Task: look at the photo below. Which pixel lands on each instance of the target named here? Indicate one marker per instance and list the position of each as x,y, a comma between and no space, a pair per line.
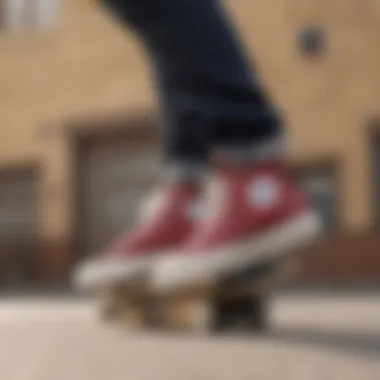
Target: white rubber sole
178,272
98,274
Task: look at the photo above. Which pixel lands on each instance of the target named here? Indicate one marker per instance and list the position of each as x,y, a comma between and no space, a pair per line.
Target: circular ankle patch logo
264,192
196,210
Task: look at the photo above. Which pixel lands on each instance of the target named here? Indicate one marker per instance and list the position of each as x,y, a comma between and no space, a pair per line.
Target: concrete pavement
313,337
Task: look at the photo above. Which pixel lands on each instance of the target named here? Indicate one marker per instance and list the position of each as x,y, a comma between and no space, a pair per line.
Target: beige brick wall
87,66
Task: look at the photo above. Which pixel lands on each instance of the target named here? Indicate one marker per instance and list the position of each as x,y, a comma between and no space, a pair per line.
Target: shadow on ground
362,343
357,343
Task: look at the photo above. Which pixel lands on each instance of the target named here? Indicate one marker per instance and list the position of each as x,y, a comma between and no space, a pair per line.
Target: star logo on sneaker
264,192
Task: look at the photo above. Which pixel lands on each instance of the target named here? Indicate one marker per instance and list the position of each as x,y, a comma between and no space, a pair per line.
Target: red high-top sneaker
167,218
258,214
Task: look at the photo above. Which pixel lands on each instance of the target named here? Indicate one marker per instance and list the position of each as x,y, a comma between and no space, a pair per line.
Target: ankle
190,174
265,151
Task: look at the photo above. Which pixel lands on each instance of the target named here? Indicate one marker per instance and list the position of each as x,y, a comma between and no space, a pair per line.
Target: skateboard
237,300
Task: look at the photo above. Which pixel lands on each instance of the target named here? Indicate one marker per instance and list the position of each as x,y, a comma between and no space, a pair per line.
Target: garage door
18,226
114,176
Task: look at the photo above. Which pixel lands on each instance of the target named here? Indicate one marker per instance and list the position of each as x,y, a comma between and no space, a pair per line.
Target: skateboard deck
237,300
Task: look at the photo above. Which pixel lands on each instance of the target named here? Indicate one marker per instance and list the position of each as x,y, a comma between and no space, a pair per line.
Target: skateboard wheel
247,312
117,306
188,313
108,309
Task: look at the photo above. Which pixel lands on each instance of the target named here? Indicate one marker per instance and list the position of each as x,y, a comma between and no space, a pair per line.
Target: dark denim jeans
209,94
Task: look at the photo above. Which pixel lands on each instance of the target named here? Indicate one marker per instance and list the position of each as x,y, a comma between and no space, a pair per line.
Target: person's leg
210,100
208,92
207,95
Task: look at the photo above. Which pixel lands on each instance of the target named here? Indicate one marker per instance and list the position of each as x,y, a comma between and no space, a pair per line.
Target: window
25,15
321,188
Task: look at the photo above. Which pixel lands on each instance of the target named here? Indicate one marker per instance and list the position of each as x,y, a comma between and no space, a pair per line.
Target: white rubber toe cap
101,273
